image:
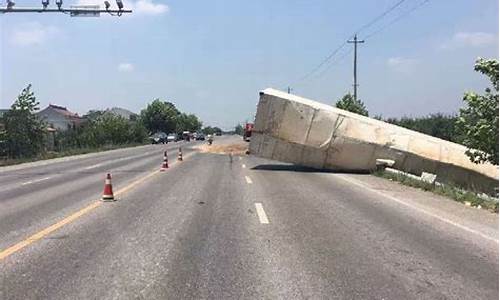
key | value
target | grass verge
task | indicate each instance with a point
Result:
(446, 190)
(68, 152)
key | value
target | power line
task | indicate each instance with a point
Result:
(395, 20)
(335, 62)
(323, 62)
(381, 16)
(343, 44)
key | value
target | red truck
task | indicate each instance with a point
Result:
(248, 132)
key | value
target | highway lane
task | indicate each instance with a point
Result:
(71, 184)
(351, 242)
(199, 231)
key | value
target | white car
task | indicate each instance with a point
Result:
(171, 138)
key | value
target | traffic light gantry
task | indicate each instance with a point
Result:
(73, 11)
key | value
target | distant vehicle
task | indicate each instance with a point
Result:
(248, 132)
(218, 133)
(186, 135)
(210, 139)
(200, 137)
(159, 138)
(172, 138)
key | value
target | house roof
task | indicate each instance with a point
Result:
(62, 110)
(121, 112)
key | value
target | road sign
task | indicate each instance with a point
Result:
(93, 11)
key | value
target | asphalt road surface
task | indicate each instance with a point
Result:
(216, 227)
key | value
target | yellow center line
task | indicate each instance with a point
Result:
(41, 234)
(37, 236)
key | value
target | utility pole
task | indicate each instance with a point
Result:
(289, 90)
(355, 42)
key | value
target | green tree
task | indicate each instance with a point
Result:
(102, 128)
(137, 132)
(238, 129)
(437, 125)
(353, 105)
(188, 122)
(479, 118)
(24, 134)
(208, 130)
(217, 130)
(160, 116)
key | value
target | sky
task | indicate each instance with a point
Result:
(212, 58)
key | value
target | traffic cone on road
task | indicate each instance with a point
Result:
(107, 195)
(164, 166)
(179, 156)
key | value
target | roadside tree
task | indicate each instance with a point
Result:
(160, 116)
(353, 105)
(24, 131)
(238, 129)
(479, 118)
(188, 122)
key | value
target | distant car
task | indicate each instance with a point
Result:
(200, 137)
(159, 138)
(186, 135)
(172, 138)
(218, 133)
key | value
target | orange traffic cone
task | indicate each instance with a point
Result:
(179, 157)
(107, 195)
(164, 166)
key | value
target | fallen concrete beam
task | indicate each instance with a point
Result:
(305, 132)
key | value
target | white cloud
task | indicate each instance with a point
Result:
(125, 67)
(469, 39)
(139, 7)
(402, 65)
(32, 33)
(150, 8)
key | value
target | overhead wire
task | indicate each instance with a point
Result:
(392, 22)
(395, 20)
(360, 29)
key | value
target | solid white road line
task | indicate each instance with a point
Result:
(261, 213)
(421, 210)
(118, 160)
(34, 181)
(243, 166)
(248, 179)
(93, 166)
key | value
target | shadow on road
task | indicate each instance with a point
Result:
(295, 168)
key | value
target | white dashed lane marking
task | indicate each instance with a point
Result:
(261, 213)
(93, 166)
(34, 181)
(248, 179)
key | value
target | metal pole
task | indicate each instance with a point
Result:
(355, 42)
(62, 10)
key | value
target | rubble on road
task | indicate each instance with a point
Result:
(234, 148)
